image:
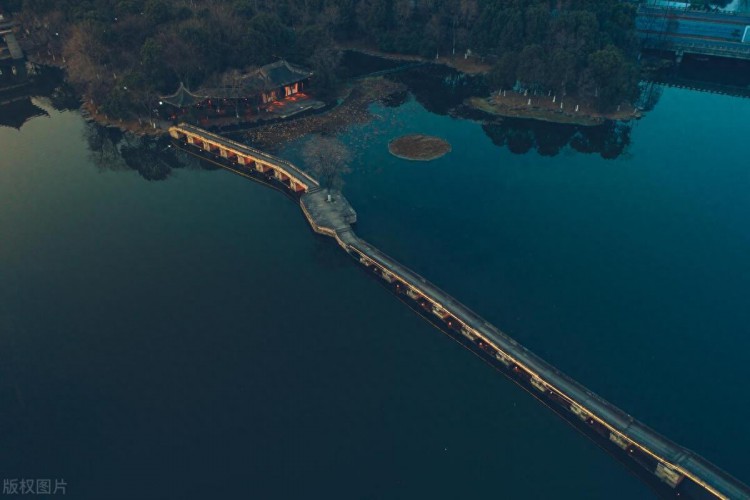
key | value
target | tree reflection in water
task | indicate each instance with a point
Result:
(46, 89)
(154, 159)
(610, 140)
(439, 89)
(442, 90)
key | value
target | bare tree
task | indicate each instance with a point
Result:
(328, 158)
(104, 146)
(324, 63)
(78, 50)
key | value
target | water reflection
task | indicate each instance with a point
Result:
(111, 149)
(103, 147)
(442, 90)
(650, 94)
(46, 84)
(609, 140)
(16, 112)
(438, 89)
(703, 73)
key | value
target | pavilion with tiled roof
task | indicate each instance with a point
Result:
(264, 85)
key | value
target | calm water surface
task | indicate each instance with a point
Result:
(191, 338)
(630, 274)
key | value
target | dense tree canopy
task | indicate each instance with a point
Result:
(122, 51)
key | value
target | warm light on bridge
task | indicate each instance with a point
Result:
(671, 463)
(241, 155)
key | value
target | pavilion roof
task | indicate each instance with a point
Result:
(276, 75)
(183, 97)
(263, 79)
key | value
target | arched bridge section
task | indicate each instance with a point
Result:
(245, 156)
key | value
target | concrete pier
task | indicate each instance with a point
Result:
(676, 471)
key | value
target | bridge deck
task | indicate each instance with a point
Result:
(334, 219)
(248, 151)
(616, 420)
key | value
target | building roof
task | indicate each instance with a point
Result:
(268, 77)
(183, 97)
(7, 23)
(276, 75)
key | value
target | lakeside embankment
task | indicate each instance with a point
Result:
(513, 104)
(354, 101)
(133, 126)
(353, 109)
(568, 110)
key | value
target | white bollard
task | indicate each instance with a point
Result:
(554, 99)
(529, 102)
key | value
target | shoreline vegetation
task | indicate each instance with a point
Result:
(567, 110)
(353, 109)
(472, 65)
(354, 101)
(419, 147)
(122, 55)
(131, 125)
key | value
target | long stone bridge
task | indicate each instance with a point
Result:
(671, 470)
(690, 31)
(245, 156)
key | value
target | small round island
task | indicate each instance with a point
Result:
(419, 147)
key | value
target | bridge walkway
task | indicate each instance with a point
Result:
(242, 154)
(669, 462)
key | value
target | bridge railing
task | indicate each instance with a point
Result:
(672, 458)
(244, 150)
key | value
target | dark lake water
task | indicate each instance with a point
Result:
(189, 337)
